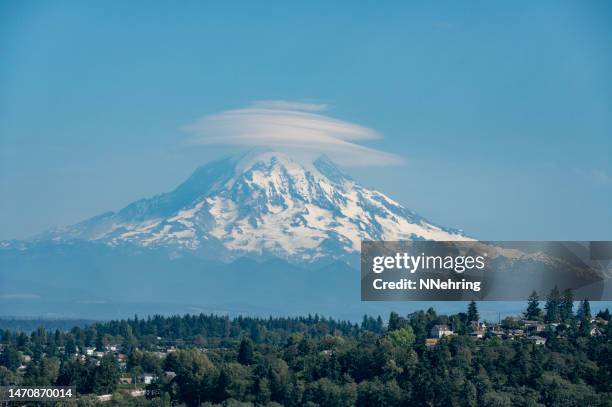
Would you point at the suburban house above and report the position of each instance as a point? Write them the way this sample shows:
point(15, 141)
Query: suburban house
point(536, 326)
point(537, 340)
point(439, 331)
point(147, 378)
point(516, 332)
point(477, 334)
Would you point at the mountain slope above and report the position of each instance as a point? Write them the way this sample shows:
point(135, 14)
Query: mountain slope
point(264, 204)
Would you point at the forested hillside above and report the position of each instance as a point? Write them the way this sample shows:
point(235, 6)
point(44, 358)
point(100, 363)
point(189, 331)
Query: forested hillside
point(549, 358)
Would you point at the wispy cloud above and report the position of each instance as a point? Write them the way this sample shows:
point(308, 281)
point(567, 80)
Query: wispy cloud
point(596, 176)
point(20, 296)
point(291, 125)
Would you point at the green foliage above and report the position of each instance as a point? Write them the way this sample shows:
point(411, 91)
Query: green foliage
point(313, 361)
point(106, 375)
point(10, 358)
point(553, 306)
point(566, 307)
point(472, 314)
point(245, 352)
point(403, 337)
point(533, 307)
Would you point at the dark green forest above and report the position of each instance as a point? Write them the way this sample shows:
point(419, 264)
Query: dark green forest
point(551, 356)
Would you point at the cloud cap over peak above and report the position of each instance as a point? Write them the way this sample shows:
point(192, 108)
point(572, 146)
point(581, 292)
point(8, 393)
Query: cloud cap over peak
point(293, 126)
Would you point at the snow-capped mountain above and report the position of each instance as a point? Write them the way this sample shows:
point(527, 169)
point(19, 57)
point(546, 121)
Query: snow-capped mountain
point(264, 234)
point(264, 204)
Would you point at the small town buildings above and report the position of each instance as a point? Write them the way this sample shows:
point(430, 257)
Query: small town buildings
point(496, 331)
point(537, 340)
point(536, 326)
point(516, 332)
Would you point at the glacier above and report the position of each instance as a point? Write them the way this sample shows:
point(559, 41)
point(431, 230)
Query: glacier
point(260, 204)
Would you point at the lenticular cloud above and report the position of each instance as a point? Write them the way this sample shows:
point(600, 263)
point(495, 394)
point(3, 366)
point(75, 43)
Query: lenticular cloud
point(293, 126)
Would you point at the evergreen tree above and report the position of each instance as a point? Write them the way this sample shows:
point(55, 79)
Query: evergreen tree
point(533, 307)
point(10, 358)
point(221, 390)
point(584, 311)
point(70, 348)
point(396, 322)
point(553, 302)
point(584, 316)
point(472, 314)
point(245, 353)
point(380, 324)
point(106, 375)
point(365, 323)
point(566, 308)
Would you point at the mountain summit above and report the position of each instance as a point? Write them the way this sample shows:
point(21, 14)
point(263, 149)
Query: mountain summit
point(261, 204)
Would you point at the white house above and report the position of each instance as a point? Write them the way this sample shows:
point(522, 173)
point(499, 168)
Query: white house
point(439, 331)
point(595, 331)
point(147, 378)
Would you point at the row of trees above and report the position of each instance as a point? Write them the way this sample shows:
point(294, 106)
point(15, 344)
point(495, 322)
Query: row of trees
point(559, 308)
point(321, 362)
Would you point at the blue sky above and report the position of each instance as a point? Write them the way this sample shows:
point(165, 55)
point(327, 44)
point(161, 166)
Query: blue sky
point(501, 111)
